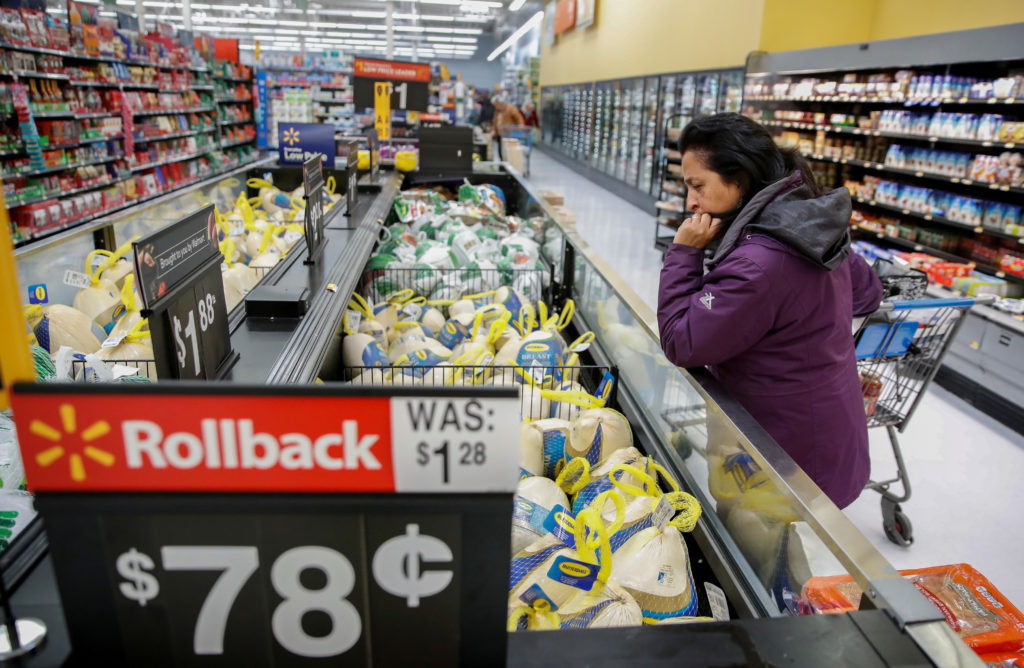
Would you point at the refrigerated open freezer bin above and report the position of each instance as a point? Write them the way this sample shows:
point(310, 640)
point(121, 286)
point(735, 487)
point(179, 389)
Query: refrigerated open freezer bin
point(766, 527)
point(683, 420)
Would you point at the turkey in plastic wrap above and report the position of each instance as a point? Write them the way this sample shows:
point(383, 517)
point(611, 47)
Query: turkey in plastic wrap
point(585, 483)
point(58, 325)
point(562, 565)
point(543, 445)
point(654, 567)
point(535, 498)
point(597, 433)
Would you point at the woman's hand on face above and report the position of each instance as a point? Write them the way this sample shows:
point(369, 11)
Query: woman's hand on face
point(698, 230)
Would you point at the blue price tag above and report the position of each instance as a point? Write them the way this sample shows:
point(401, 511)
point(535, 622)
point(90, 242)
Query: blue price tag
point(37, 294)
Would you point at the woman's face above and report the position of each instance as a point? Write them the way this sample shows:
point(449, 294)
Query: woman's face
point(706, 191)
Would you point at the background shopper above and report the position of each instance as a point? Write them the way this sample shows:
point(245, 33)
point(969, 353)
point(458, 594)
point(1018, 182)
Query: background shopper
point(504, 115)
point(772, 317)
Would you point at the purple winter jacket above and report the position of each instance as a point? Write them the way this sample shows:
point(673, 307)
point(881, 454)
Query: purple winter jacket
point(772, 320)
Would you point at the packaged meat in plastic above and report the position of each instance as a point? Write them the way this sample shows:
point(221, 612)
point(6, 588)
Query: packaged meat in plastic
point(543, 444)
point(535, 498)
point(597, 433)
point(972, 606)
point(58, 325)
point(654, 567)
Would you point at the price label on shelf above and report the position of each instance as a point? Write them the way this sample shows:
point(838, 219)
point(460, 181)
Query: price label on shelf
point(313, 181)
point(77, 279)
point(178, 269)
point(441, 458)
point(196, 319)
point(293, 526)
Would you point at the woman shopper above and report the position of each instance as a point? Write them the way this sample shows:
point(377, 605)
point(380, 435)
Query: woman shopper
point(504, 115)
point(772, 316)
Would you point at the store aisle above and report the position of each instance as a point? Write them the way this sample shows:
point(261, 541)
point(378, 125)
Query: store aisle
point(964, 466)
point(620, 232)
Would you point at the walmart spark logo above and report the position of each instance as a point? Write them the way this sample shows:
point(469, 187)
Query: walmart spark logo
point(69, 422)
point(291, 136)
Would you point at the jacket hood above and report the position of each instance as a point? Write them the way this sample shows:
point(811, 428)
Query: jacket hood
point(818, 228)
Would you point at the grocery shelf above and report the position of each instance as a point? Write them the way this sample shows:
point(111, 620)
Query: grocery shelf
point(32, 74)
point(906, 102)
point(222, 100)
point(67, 193)
point(167, 161)
point(237, 143)
point(916, 173)
point(934, 218)
point(11, 154)
point(98, 114)
point(935, 139)
point(172, 112)
point(239, 122)
point(94, 221)
point(237, 79)
point(80, 142)
point(310, 84)
point(274, 68)
point(202, 87)
point(61, 168)
point(99, 59)
point(176, 135)
point(53, 114)
point(125, 84)
point(943, 255)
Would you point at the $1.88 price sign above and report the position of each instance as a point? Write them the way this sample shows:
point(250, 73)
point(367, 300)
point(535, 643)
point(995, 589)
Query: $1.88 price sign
point(197, 324)
point(281, 603)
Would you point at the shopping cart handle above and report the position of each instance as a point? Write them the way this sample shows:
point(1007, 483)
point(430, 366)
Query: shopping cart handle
point(954, 302)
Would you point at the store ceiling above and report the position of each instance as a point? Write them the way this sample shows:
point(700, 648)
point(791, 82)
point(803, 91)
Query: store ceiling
point(422, 29)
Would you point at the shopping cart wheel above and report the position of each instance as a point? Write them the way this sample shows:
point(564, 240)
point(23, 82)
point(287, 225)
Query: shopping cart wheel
point(897, 526)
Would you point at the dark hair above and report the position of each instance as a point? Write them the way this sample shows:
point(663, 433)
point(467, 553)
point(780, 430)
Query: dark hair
point(743, 152)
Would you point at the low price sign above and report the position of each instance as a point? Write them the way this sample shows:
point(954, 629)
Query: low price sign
point(410, 83)
point(224, 526)
point(298, 142)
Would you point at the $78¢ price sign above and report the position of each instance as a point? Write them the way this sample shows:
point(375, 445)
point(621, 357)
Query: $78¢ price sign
point(396, 567)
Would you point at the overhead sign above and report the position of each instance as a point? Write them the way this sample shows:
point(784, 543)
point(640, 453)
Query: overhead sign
point(174, 546)
point(382, 109)
point(298, 142)
point(255, 440)
point(410, 90)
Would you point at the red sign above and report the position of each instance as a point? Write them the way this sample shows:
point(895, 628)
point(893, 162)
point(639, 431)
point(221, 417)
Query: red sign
point(391, 70)
point(245, 440)
point(565, 15)
point(219, 443)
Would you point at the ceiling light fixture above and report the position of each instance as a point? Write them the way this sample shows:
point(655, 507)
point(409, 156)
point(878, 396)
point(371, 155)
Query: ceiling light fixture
point(514, 37)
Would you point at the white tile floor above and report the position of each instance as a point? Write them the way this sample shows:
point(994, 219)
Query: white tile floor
point(965, 467)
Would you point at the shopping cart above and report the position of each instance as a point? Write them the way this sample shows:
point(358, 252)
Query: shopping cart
point(899, 350)
point(524, 134)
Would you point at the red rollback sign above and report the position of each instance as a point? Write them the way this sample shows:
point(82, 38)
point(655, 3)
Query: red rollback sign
point(252, 440)
point(78, 442)
point(391, 70)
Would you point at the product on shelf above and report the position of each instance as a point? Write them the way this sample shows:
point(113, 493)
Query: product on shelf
point(453, 295)
point(971, 604)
